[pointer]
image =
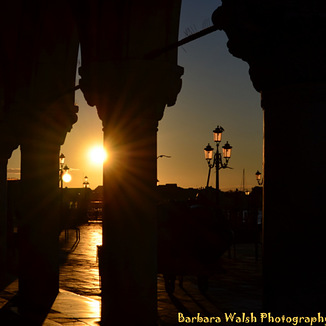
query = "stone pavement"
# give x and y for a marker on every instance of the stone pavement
(79, 263)
(68, 309)
(235, 287)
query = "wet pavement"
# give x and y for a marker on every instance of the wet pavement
(234, 287)
(79, 262)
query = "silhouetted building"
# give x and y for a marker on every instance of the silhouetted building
(171, 191)
(96, 204)
(75, 206)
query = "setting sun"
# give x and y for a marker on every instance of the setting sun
(97, 154)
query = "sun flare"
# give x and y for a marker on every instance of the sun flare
(97, 154)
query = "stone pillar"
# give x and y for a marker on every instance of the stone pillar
(283, 43)
(8, 143)
(130, 94)
(39, 210)
(7, 148)
(3, 220)
(294, 222)
(7, 140)
(38, 228)
(129, 226)
(41, 57)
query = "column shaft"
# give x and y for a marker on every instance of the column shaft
(38, 229)
(3, 218)
(129, 224)
(294, 177)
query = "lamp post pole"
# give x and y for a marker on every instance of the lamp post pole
(217, 179)
(64, 175)
(61, 162)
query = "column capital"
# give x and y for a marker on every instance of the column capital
(43, 121)
(282, 41)
(146, 86)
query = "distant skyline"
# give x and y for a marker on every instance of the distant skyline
(216, 91)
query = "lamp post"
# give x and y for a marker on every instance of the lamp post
(66, 177)
(86, 183)
(259, 178)
(217, 158)
(61, 162)
(64, 171)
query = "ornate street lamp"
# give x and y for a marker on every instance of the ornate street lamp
(259, 178)
(86, 183)
(216, 160)
(208, 150)
(61, 160)
(61, 164)
(218, 134)
(66, 177)
(227, 148)
(63, 171)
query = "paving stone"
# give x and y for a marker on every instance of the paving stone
(236, 286)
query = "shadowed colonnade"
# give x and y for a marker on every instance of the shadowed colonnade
(283, 43)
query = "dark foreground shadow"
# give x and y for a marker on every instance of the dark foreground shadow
(14, 313)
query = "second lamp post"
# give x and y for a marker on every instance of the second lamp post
(259, 178)
(217, 158)
(64, 175)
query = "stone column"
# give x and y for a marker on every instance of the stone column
(130, 94)
(39, 210)
(6, 149)
(8, 143)
(129, 226)
(42, 56)
(38, 228)
(283, 43)
(130, 115)
(3, 220)
(294, 222)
